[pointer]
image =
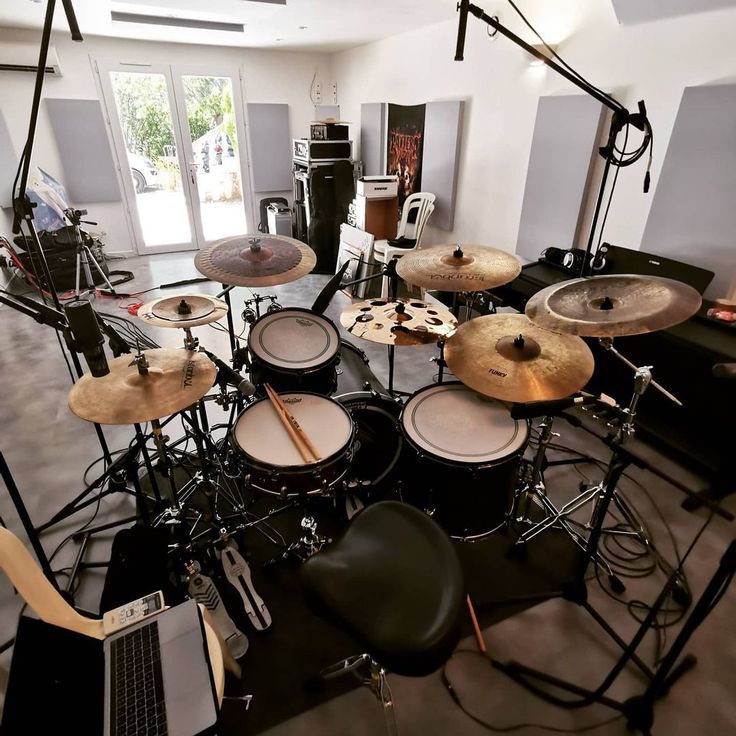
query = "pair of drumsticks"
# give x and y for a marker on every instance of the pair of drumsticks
(297, 434)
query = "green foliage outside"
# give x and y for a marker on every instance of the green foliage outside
(143, 108)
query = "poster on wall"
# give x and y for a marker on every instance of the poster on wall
(405, 146)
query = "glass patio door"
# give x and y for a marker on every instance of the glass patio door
(178, 135)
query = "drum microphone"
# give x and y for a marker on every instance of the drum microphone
(533, 409)
(87, 338)
(227, 375)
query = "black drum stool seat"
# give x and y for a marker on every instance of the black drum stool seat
(393, 580)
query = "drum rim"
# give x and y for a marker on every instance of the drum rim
(468, 464)
(335, 355)
(296, 469)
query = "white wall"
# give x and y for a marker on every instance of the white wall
(653, 61)
(270, 76)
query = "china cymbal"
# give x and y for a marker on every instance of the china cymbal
(256, 260)
(458, 267)
(176, 379)
(184, 310)
(398, 321)
(507, 357)
(613, 305)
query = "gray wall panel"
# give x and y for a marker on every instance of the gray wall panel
(442, 132)
(270, 146)
(373, 138)
(84, 149)
(8, 165)
(640, 11)
(563, 146)
(693, 212)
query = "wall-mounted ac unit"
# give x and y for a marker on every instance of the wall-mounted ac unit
(23, 57)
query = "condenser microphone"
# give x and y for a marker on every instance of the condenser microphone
(227, 374)
(87, 336)
(462, 25)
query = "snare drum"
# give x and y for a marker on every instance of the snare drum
(466, 454)
(274, 464)
(294, 350)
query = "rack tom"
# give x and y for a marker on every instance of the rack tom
(294, 350)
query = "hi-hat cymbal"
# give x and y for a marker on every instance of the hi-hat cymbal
(507, 357)
(398, 321)
(176, 379)
(183, 310)
(256, 260)
(458, 267)
(613, 305)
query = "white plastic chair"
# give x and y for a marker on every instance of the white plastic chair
(423, 203)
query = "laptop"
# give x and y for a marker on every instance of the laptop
(151, 678)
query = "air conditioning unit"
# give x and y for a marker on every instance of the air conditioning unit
(23, 57)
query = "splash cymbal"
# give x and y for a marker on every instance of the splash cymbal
(509, 358)
(176, 379)
(398, 321)
(458, 267)
(183, 310)
(613, 305)
(256, 260)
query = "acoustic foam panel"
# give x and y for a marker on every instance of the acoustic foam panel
(640, 11)
(562, 152)
(693, 217)
(270, 146)
(84, 149)
(8, 164)
(373, 138)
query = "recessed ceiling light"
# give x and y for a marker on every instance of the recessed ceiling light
(279, 39)
(303, 28)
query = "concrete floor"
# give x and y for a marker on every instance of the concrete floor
(47, 449)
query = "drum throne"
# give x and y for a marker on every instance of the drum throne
(393, 581)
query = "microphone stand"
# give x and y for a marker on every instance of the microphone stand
(22, 206)
(621, 116)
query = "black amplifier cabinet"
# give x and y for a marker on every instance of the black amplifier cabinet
(682, 357)
(306, 151)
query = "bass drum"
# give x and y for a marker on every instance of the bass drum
(375, 414)
(466, 452)
(294, 350)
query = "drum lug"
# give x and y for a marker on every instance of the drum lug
(284, 492)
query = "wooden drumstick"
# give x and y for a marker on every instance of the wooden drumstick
(478, 633)
(294, 423)
(287, 424)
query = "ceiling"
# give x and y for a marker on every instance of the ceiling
(315, 25)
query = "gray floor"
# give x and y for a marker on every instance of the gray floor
(48, 448)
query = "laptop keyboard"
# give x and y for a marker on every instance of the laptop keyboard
(137, 686)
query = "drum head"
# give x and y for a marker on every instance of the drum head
(294, 339)
(455, 424)
(261, 435)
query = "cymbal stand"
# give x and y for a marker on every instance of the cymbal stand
(534, 487)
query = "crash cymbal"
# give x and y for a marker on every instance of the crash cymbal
(256, 260)
(613, 305)
(175, 380)
(458, 267)
(184, 310)
(398, 321)
(507, 357)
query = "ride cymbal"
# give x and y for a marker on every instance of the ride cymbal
(613, 305)
(256, 260)
(458, 267)
(176, 379)
(398, 321)
(506, 357)
(184, 310)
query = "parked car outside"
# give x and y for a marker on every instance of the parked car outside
(143, 170)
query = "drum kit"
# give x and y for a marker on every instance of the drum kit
(455, 448)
